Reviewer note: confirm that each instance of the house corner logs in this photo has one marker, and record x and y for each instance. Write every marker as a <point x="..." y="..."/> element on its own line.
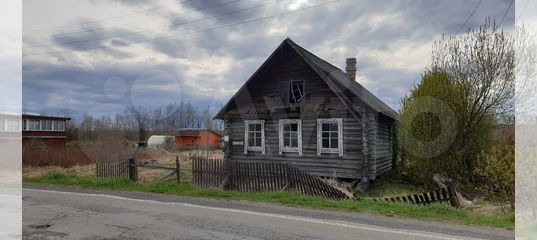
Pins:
<point x="365" y="149"/>
<point x="372" y="126"/>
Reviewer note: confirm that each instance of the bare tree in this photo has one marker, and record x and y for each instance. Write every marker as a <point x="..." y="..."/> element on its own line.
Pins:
<point x="482" y="62"/>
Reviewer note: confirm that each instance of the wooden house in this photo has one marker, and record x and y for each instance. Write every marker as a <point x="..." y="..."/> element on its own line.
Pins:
<point x="301" y="109"/>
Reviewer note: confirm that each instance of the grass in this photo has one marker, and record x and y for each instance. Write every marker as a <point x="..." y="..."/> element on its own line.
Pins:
<point x="392" y="189"/>
<point x="437" y="212"/>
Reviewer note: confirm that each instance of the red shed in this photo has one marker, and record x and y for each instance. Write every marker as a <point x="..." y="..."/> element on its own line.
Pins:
<point x="46" y="131"/>
<point x="190" y="138"/>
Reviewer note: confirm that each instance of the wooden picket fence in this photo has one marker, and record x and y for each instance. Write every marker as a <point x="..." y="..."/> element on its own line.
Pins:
<point x="439" y="195"/>
<point x="259" y="176"/>
<point x="115" y="167"/>
<point x="128" y="168"/>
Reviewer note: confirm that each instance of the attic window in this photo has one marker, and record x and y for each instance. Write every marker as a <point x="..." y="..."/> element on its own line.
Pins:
<point x="296" y="91"/>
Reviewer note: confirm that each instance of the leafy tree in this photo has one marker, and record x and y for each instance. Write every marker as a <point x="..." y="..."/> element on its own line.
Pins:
<point x="447" y="121"/>
<point x="428" y="128"/>
<point x="482" y="63"/>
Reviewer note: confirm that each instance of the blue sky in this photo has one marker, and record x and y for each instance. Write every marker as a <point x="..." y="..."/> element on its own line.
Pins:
<point x="103" y="56"/>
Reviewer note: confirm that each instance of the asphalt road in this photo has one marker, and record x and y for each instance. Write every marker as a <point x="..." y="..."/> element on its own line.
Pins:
<point x="50" y="213"/>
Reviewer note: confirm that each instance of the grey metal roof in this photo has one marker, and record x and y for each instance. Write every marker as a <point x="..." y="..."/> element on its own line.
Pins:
<point x="336" y="79"/>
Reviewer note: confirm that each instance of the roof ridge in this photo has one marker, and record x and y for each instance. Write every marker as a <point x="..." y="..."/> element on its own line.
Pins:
<point x="384" y="108"/>
<point x="326" y="70"/>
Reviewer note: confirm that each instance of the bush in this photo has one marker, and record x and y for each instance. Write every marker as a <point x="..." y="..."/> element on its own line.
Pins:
<point x="496" y="173"/>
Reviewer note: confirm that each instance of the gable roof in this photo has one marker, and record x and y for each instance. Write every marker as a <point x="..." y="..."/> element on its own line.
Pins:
<point x="335" y="78"/>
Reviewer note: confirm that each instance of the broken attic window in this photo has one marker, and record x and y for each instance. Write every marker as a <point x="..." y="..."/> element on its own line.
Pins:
<point x="296" y="91"/>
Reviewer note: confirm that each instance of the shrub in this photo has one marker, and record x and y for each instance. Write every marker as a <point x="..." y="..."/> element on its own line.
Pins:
<point x="430" y="124"/>
<point x="496" y="173"/>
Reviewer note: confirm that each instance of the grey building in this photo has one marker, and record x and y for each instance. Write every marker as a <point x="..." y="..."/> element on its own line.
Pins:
<point x="301" y="109"/>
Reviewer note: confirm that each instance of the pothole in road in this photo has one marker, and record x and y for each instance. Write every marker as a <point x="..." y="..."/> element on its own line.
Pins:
<point x="40" y="226"/>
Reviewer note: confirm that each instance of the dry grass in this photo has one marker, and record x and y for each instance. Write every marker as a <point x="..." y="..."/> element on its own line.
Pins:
<point x="44" y="156"/>
<point x="145" y="175"/>
<point x="35" y="172"/>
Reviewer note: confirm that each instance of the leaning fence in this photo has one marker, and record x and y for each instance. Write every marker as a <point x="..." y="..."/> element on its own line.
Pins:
<point x="436" y="196"/>
<point x="259" y="176"/>
<point x="255" y="176"/>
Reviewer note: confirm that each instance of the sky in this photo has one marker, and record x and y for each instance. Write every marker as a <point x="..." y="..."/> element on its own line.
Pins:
<point x="104" y="56"/>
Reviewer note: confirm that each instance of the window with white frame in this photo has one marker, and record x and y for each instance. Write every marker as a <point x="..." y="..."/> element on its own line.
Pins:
<point x="43" y="125"/>
<point x="290" y="135"/>
<point x="13" y="125"/>
<point x="59" y="126"/>
<point x="33" y="125"/>
<point x="47" y="125"/>
<point x="254" y="136"/>
<point x="330" y="136"/>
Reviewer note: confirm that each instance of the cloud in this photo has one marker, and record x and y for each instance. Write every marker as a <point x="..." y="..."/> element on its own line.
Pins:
<point x="126" y="2"/>
<point x="180" y="59"/>
<point x="93" y="36"/>
<point x="228" y="11"/>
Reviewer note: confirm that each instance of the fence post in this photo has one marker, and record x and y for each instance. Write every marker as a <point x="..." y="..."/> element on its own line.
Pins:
<point x="177" y="169"/>
<point x="133" y="170"/>
<point x="453" y="198"/>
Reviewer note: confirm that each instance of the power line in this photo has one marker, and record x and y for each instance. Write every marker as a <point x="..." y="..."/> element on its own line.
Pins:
<point x="521" y="14"/>
<point x="200" y="31"/>
<point x="506" y="11"/>
<point x="137" y="22"/>
<point x="109" y="18"/>
<point x="460" y="28"/>
<point x="154" y="29"/>
<point x="468" y="19"/>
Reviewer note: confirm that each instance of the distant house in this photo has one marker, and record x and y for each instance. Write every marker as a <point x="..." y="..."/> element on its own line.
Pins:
<point x="301" y="109"/>
<point x="49" y="131"/>
<point x="10" y="131"/>
<point x="193" y="137"/>
<point x="10" y="123"/>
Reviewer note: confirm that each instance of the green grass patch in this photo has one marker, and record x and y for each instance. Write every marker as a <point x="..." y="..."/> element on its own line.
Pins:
<point x="437" y="212"/>
<point x="392" y="189"/>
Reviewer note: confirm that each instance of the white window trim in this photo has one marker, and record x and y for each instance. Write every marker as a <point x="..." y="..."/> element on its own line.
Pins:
<point x="42" y="125"/>
<point x="283" y="149"/>
<point x="320" y="149"/>
<point x="7" y="122"/>
<point x="254" y="148"/>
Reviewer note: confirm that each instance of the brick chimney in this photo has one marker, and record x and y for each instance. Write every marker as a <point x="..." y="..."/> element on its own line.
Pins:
<point x="350" y="69"/>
